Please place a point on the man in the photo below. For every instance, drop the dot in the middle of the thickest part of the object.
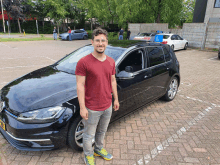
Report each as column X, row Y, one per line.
column 55, row 33
column 121, row 34
column 69, row 31
column 128, row 34
column 95, row 76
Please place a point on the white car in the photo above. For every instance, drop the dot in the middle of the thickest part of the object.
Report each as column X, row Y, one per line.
column 174, row 40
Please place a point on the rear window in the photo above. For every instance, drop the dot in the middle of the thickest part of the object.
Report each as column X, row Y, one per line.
column 166, row 36
column 155, row 55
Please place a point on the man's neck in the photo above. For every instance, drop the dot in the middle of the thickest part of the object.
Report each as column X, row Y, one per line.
column 98, row 55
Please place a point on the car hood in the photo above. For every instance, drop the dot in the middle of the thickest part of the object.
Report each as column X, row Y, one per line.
column 42, row 88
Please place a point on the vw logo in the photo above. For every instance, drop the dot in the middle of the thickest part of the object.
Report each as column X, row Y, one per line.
column 2, row 105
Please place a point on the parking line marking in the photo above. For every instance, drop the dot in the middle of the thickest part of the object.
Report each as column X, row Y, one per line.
column 20, row 67
column 3, row 83
column 213, row 58
column 166, row 143
column 7, row 46
column 50, row 58
column 213, row 104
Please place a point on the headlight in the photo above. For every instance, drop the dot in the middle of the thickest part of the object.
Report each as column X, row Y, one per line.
column 42, row 116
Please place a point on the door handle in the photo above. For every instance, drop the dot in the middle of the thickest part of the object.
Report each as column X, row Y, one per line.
column 145, row 76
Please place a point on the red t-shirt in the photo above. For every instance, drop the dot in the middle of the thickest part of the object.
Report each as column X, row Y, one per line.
column 98, row 86
column 69, row 31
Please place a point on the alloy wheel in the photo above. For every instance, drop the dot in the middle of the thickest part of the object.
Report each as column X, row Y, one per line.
column 79, row 134
column 173, row 89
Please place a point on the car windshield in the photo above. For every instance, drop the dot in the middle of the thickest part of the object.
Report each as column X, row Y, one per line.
column 68, row 64
column 166, row 36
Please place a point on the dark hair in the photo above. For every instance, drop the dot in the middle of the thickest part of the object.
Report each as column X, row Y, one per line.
column 98, row 31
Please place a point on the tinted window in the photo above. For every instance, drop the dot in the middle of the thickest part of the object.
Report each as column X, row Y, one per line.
column 173, row 37
column 166, row 36
column 155, row 55
column 68, row 64
column 145, row 34
column 166, row 54
column 133, row 59
column 179, row 38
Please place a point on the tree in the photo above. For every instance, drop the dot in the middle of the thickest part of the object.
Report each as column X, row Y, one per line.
column 188, row 10
column 134, row 11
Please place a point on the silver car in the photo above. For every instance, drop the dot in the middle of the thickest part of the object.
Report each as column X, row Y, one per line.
column 75, row 35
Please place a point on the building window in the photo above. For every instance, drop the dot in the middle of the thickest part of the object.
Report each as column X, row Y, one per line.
column 217, row 4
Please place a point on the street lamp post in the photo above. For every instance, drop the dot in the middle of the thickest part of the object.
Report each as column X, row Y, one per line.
column 3, row 19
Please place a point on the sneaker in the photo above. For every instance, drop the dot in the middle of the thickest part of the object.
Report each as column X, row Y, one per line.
column 103, row 153
column 89, row 160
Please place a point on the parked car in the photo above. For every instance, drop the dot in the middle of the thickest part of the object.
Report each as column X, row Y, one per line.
column 75, row 34
column 40, row 110
column 144, row 36
column 175, row 41
column 219, row 53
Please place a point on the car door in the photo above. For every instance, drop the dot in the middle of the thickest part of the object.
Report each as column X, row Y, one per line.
column 130, row 89
column 181, row 42
column 175, row 42
column 76, row 34
column 81, row 34
column 160, row 71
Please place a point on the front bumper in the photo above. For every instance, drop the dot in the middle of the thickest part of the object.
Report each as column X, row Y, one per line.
column 35, row 137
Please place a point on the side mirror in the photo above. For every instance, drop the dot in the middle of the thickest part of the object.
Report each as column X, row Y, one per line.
column 129, row 69
column 125, row 75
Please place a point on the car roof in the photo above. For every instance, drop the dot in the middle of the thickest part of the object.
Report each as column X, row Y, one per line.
column 139, row 44
column 166, row 34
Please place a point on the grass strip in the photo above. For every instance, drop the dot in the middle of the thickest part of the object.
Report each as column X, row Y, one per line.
column 25, row 39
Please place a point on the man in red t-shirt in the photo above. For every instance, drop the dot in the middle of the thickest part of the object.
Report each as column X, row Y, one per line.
column 69, row 31
column 95, row 76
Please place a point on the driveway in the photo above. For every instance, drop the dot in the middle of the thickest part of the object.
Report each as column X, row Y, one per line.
column 184, row 131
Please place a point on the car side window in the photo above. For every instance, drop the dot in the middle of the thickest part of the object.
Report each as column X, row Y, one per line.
column 179, row 38
column 155, row 55
column 166, row 54
column 173, row 37
column 134, row 59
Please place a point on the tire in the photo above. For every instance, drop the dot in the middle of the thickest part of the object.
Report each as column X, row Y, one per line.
column 76, row 126
column 171, row 90
column 85, row 37
column 75, row 140
column 172, row 47
column 67, row 38
column 186, row 46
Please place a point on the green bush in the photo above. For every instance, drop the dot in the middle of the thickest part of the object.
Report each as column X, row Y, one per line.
column 89, row 34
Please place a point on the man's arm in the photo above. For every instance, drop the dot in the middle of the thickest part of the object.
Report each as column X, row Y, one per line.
column 81, row 95
column 115, row 93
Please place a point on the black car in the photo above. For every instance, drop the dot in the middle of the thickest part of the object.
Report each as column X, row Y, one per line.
column 40, row 110
column 219, row 53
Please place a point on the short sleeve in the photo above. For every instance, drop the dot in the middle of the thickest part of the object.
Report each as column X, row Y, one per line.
column 80, row 68
column 113, row 71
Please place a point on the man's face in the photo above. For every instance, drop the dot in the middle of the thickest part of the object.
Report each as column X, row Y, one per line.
column 100, row 43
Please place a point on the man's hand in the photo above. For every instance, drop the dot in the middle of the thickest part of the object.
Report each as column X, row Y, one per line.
column 116, row 105
column 84, row 113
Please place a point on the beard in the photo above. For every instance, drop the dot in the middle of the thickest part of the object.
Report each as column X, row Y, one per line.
column 99, row 52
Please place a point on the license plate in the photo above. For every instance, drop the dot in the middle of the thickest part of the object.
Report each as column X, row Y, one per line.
column 2, row 124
